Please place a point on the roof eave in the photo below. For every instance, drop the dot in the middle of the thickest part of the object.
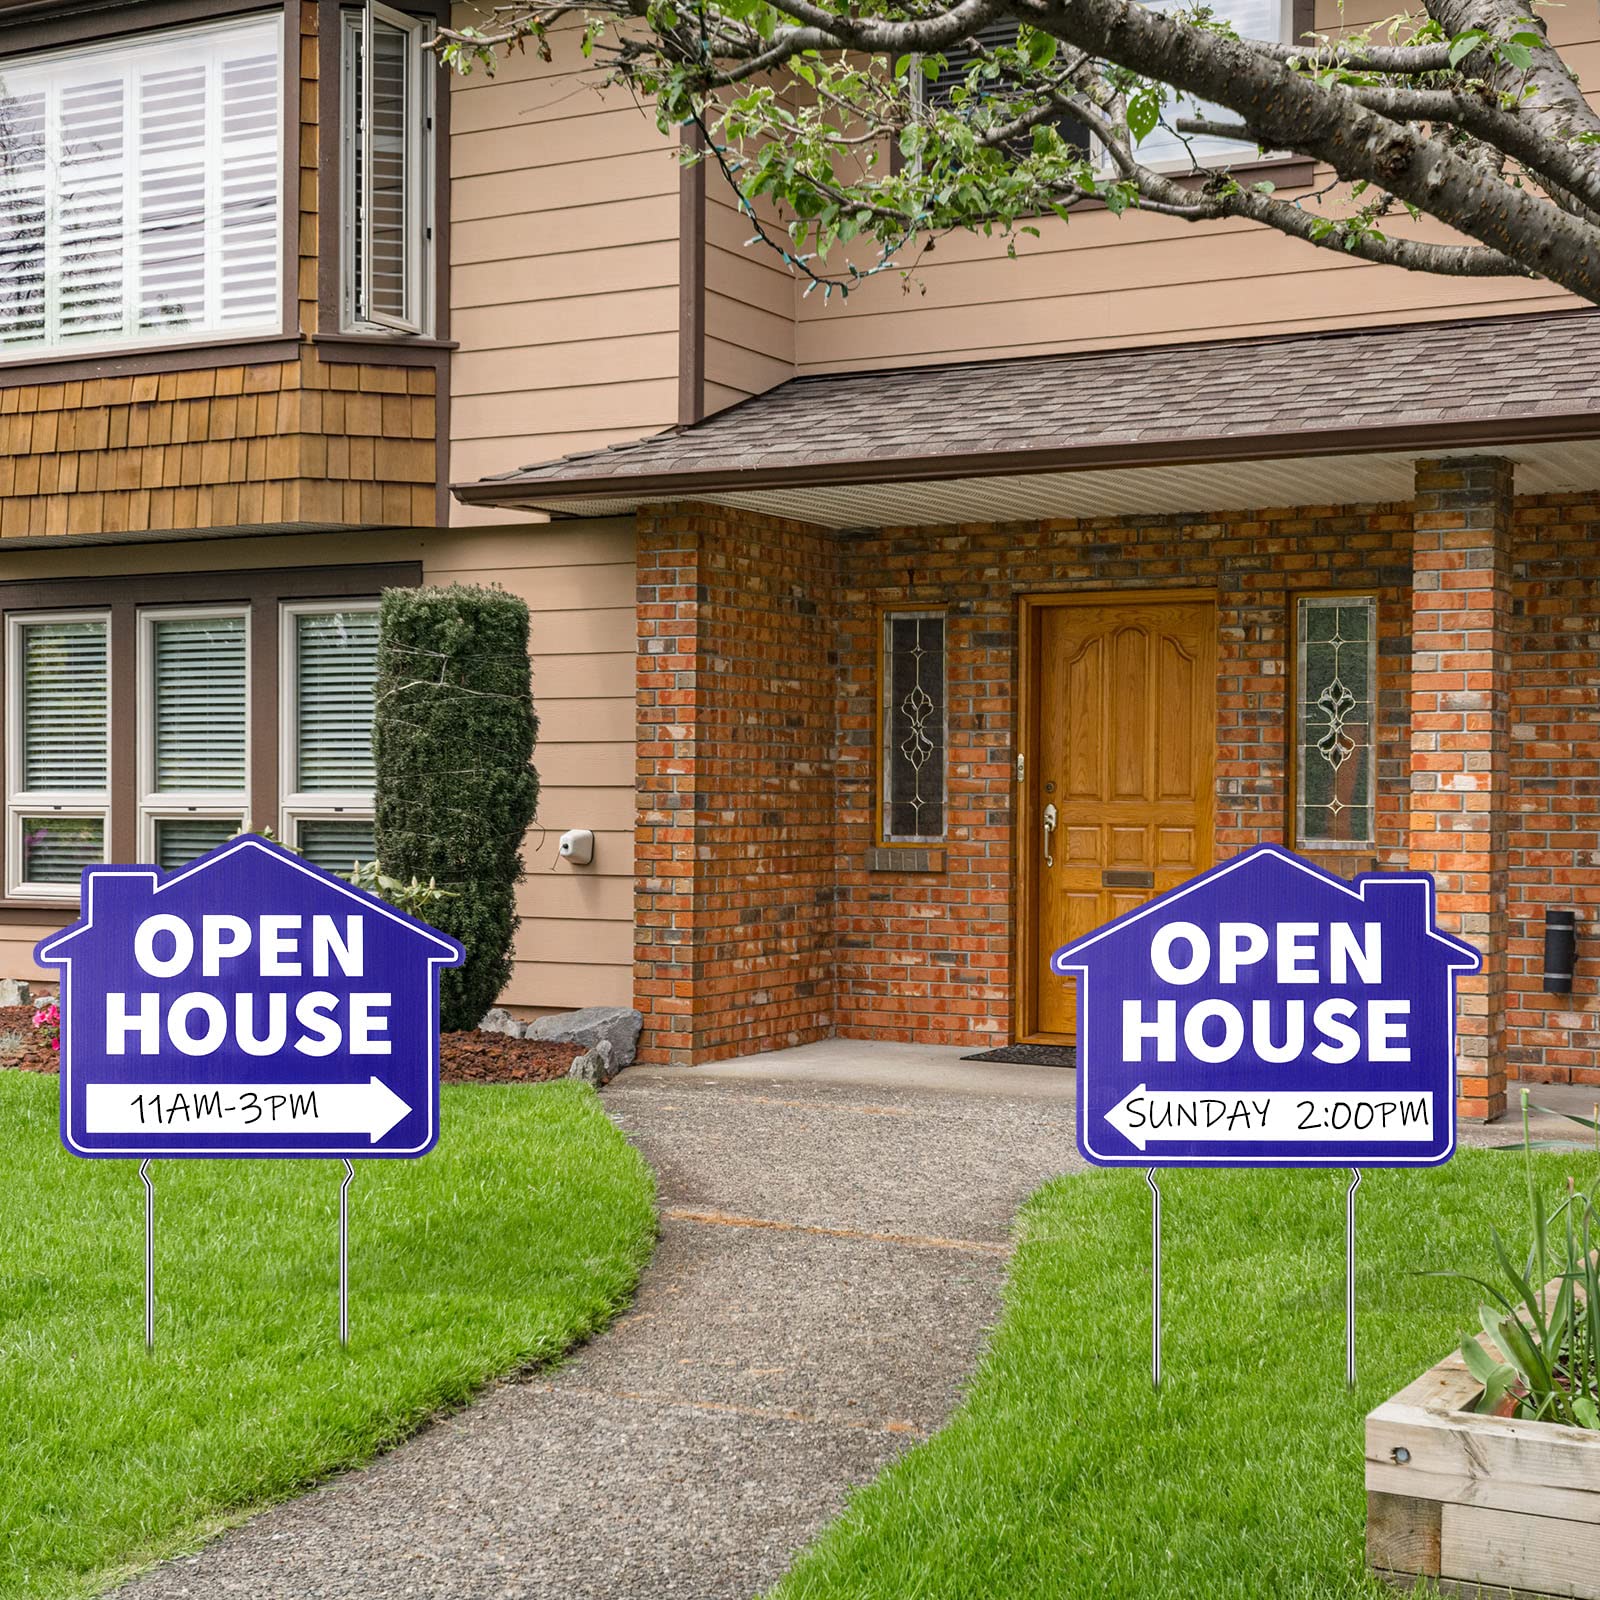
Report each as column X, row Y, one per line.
column 1478, row 433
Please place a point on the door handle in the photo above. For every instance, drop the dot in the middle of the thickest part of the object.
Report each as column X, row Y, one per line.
column 1049, row 830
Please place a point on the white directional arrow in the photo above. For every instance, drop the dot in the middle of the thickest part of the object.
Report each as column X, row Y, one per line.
column 372, row 1108
column 1162, row 1116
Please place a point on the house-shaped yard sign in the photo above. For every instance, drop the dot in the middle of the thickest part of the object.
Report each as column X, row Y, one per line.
column 1269, row 1014
column 247, row 1005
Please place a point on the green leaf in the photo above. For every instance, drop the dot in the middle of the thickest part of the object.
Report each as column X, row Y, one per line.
column 1465, row 43
column 1519, row 55
column 1586, row 1411
column 1144, row 112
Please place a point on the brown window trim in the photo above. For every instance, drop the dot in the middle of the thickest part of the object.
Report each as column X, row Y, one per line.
column 267, row 349
column 882, row 845
column 263, row 590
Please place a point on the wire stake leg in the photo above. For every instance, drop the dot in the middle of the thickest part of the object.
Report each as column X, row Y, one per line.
column 149, row 1255
column 344, row 1253
column 1350, row 1277
column 1155, row 1278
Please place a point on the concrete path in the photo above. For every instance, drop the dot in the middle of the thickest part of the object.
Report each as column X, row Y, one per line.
column 834, row 1227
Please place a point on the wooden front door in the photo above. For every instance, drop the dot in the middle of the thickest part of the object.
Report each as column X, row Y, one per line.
column 1119, row 731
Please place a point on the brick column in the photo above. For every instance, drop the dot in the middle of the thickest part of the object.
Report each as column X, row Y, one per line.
column 1460, row 740
column 666, row 756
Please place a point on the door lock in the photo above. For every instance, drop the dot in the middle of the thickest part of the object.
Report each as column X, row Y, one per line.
column 1049, row 831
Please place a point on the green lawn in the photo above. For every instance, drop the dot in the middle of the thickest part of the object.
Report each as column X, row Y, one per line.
column 1065, row 1475
column 523, row 1231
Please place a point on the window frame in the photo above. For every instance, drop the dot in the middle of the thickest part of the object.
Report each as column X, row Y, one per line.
column 297, row 805
column 1293, row 781
column 882, row 837
column 354, row 221
column 282, row 322
column 1290, row 15
column 160, row 805
column 64, row 803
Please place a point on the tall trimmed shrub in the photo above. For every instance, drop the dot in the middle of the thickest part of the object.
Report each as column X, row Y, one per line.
column 452, row 739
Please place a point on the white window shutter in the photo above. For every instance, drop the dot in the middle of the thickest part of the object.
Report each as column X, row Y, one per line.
column 200, row 704
column 140, row 189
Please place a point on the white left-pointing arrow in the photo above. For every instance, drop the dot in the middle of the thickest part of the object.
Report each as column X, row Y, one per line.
column 1144, row 1116
column 372, row 1108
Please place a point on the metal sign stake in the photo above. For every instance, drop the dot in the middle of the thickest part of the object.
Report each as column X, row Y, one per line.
column 344, row 1253
column 1350, row 1278
column 1155, row 1277
column 149, row 1255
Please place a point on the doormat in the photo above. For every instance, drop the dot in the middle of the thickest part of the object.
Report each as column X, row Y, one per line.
column 1031, row 1055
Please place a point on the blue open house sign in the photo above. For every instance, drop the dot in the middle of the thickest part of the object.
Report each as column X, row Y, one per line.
column 247, row 1005
column 1267, row 1013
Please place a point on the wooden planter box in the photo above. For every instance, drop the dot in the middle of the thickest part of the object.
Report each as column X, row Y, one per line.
column 1483, row 1506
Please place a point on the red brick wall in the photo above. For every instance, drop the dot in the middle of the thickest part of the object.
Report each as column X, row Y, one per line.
column 735, row 837
column 759, row 923
column 927, row 957
column 1554, row 837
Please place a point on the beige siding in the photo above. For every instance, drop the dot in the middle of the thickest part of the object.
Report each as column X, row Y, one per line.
column 1098, row 282
column 575, row 943
column 564, row 267
column 751, row 302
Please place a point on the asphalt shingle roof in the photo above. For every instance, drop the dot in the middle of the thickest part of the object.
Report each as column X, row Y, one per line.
column 1290, row 393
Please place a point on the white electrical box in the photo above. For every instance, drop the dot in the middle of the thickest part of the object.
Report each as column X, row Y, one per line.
column 577, row 846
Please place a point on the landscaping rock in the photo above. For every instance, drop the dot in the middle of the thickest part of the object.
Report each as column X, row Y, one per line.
column 500, row 1021
column 597, row 1066
column 618, row 1025
column 15, row 992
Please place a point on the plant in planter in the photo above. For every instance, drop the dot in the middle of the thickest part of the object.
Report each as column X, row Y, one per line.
column 1484, row 1474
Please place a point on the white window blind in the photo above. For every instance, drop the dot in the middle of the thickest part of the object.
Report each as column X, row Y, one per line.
column 334, row 844
column 180, row 839
column 199, row 704
column 336, row 655
column 57, row 757
column 63, row 737
column 387, row 115
column 140, row 190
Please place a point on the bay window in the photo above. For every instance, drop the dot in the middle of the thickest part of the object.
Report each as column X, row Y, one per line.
column 140, row 190
column 138, row 731
column 58, row 753
column 388, row 123
column 329, row 656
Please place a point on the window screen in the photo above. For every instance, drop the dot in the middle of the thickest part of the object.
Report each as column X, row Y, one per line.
column 63, row 695
column 913, row 726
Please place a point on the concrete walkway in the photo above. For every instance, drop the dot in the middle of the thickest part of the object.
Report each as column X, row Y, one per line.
column 834, row 1227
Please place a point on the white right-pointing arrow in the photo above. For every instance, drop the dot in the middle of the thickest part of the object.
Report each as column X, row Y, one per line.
column 372, row 1108
column 1167, row 1116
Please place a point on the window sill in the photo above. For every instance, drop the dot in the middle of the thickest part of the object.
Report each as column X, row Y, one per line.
column 191, row 357
column 399, row 349
column 905, row 858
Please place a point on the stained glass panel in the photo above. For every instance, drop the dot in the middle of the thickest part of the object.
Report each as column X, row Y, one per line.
column 1335, row 721
column 913, row 726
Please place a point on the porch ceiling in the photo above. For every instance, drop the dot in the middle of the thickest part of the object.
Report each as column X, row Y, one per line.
column 1316, row 419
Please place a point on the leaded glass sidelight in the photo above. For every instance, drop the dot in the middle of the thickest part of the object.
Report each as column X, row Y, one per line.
column 1336, row 668
column 913, row 726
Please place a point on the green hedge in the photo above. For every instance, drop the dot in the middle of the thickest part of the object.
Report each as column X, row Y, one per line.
column 452, row 739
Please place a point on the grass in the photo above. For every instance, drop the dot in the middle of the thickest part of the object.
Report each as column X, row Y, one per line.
column 522, row 1232
column 1064, row 1474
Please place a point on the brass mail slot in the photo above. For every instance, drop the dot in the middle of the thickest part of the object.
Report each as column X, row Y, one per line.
column 1113, row 879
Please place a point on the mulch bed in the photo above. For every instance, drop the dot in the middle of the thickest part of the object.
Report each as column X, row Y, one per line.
column 470, row 1057
column 477, row 1057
